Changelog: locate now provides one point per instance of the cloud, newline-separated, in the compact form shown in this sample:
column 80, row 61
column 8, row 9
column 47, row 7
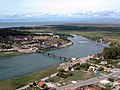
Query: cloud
column 57, row 6
column 77, row 16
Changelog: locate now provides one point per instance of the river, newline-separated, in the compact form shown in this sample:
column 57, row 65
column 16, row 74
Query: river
column 15, row 66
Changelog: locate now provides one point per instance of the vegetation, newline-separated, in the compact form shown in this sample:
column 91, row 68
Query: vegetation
column 12, row 32
column 64, row 74
column 9, row 53
column 95, row 61
column 77, row 75
column 111, row 79
column 100, row 69
column 83, row 66
column 112, row 52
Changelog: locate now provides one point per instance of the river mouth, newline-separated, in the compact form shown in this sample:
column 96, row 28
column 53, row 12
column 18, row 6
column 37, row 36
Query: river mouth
column 15, row 66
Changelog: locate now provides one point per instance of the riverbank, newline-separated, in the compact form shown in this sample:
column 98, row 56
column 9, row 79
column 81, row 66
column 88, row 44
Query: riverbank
column 24, row 51
column 68, row 64
column 15, row 83
column 9, row 53
column 19, row 82
column 109, row 36
column 62, row 46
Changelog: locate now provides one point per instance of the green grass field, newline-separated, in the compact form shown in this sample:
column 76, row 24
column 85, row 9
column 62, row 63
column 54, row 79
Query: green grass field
column 9, row 53
column 77, row 75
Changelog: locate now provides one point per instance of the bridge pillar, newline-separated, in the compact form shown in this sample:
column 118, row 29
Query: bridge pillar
column 60, row 57
column 65, row 58
column 48, row 54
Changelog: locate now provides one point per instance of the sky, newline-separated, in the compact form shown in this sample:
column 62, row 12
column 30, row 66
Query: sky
column 44, row 8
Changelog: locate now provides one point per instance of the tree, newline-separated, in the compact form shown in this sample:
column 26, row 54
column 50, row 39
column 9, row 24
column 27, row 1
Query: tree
column 111, row 79
column 100, row 69
column 112, row 52
column 70, row 74
column 85, row 66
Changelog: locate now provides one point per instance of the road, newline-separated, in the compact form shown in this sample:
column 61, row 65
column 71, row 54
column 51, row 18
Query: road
column 90, row 81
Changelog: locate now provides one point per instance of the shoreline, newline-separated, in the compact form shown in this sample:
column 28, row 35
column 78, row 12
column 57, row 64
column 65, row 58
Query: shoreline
column 38, row 75
column 5, row 54
column 30, row 76
column 25, row 79
column 62, row 46
column 18, row 53
column 79, row 60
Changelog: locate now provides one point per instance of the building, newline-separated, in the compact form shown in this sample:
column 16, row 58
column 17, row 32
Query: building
column 40, row 37
column 91, row 89
column 41, row 84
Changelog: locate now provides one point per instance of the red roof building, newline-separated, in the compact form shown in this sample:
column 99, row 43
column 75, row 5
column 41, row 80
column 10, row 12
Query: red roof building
column 41, row 84
column 91, row 89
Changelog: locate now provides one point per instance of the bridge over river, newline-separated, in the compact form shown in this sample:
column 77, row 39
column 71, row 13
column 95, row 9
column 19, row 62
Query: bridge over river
column 14, row 66
column 54, row 55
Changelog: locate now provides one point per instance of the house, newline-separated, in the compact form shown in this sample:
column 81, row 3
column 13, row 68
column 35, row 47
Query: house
column 40, row 37
column 106, row 69
column 56, row 36
column 110, row 65
column 104, row 82
column 50, row 85
column 73, row 59
column 41, row 84
column 92, row 68
column 91, row 89
column 103, row 62
column 116, row 85
column 72, row 69
column 119, row 63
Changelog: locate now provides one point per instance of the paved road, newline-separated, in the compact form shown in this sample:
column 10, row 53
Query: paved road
column 90, row 81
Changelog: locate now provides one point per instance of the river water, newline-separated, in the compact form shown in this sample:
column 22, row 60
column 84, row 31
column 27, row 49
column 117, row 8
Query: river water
column 15, row 66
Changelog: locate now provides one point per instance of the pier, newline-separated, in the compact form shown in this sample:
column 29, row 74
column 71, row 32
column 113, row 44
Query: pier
column 54, row 56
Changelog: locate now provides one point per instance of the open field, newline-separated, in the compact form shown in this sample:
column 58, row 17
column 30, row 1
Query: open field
column 12, row 84
column 77, row 76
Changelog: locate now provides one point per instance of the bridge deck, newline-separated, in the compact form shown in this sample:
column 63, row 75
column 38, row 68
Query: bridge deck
column 54, row 56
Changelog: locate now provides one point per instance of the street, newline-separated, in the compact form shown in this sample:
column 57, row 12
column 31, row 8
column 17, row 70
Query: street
column 90, row 81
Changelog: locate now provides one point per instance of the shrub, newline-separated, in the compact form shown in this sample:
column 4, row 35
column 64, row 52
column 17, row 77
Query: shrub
column 100, row 69
column 111, row 79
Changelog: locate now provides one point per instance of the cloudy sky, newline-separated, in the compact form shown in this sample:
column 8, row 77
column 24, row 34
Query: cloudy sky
column 41, row 8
